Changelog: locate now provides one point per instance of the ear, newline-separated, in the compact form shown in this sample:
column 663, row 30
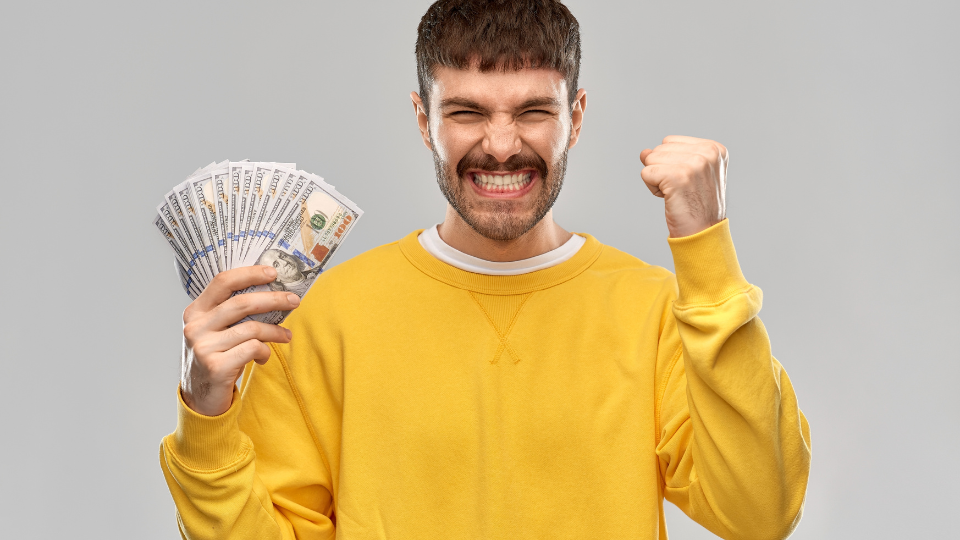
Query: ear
column 423, row 123
column 576, row 116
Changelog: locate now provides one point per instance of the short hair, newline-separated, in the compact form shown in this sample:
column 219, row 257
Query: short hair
column 498, row 35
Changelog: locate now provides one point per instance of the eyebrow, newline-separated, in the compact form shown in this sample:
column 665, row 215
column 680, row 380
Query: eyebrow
column 540, row 102
column 470, row 104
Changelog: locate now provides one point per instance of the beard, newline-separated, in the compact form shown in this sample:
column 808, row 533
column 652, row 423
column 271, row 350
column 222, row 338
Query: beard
column 500, row 219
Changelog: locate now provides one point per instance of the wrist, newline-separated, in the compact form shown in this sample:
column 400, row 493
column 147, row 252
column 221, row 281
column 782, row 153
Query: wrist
column 681, row 230
column 205, row 400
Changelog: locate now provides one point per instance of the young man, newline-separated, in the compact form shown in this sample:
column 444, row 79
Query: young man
column 496, row 376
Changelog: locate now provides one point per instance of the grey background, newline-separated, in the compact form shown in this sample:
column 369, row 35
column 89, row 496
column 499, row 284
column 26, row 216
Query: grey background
column 841, row 121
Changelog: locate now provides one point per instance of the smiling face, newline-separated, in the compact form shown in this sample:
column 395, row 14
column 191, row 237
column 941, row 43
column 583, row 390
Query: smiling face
column 500, row 141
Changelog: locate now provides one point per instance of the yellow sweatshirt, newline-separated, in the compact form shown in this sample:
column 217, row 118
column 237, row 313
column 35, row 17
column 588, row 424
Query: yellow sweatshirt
column 419, row 401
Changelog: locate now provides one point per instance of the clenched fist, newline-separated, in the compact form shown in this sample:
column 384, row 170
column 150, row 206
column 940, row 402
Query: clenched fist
column 690, row 174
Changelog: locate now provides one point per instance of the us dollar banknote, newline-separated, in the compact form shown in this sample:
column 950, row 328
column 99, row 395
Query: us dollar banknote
column 232, row 214
column 309, row 234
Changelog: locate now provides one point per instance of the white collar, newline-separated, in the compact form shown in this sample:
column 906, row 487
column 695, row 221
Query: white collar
column 431, row 241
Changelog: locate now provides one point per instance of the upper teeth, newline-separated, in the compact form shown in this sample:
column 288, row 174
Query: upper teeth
column 508, row 182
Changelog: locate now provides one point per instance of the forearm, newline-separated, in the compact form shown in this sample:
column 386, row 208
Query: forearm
column 743, row 469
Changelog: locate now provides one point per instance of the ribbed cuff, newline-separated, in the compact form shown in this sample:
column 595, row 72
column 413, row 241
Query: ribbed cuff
column 706, row 266
column 207, row 442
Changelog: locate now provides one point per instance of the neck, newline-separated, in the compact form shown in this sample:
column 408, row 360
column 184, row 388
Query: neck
column 543, row 237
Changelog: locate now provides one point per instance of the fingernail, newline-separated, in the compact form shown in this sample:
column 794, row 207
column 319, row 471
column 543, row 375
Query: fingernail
column 270, row 271
column 294, row 299
column 289, row 333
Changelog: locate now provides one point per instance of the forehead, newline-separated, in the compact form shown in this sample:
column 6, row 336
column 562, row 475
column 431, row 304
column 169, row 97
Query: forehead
column 497, row 89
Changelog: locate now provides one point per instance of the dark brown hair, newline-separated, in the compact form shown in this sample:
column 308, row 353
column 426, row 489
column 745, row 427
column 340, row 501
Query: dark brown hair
column 498, row 35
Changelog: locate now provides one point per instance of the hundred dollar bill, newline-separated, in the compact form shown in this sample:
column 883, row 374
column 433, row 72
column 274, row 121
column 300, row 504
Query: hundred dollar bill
column 185, row 265
column 251, row 188
column 220, row 190
column 169, row 210
column 233, row 196
column 246, row 180
column 282, row 209
column 287, row 182
column 203, row 171
column 232, row 214
column 185, row 281
column 256, row 189
column 194, row 223
column 180, row 203
column 207, row 201
column 268, row 179
column 315, row 226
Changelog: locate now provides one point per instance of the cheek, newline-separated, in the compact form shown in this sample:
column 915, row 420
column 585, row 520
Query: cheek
column 549, row 140
column 453, row 141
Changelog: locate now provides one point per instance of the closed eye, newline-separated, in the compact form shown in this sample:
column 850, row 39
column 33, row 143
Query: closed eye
column 537, row 112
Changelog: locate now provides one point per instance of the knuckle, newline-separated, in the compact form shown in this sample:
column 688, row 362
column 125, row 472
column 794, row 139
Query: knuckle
column 244, row 302
column 189, row 312
column 218, row 280
column 217, row 369
column 255, row 349
column 191, row 331
column 220, row 277
column 202, row 351
column 241, row 331
column 712, row 153
column 244, row 352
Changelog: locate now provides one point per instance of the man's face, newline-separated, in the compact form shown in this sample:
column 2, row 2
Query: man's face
column 500, row 141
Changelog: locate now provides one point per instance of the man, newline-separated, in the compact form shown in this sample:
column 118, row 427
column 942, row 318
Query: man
column 496, row 376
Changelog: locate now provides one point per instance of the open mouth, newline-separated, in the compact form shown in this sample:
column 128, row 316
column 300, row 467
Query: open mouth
column 502, row 182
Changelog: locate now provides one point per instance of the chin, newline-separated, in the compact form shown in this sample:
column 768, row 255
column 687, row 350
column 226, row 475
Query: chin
column 500, row 226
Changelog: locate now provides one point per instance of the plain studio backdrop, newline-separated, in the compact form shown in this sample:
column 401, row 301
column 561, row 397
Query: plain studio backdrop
column 841, row 119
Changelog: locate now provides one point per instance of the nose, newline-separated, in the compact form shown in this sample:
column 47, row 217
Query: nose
column 502, row 140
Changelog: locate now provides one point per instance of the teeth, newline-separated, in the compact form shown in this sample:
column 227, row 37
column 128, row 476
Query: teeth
column 501, row 182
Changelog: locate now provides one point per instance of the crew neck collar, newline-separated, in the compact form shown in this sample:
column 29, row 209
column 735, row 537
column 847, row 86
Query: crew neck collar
column 500, row 285
column 431, row 241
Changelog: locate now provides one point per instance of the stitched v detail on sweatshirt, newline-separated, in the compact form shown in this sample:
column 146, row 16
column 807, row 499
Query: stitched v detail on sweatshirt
column 502, row 312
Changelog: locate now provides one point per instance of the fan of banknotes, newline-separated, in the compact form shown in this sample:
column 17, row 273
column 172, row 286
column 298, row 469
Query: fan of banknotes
column 241, row 213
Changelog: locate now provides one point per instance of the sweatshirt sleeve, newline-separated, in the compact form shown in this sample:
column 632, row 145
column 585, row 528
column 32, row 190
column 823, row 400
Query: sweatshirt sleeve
column 253, row 472
column 734, row 448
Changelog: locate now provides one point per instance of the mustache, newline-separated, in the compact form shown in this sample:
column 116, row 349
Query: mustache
column 515, row 162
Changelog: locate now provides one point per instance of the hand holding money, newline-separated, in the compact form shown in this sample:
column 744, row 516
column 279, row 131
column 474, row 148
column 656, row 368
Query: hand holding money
column 215, row 348
column 221, row 220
